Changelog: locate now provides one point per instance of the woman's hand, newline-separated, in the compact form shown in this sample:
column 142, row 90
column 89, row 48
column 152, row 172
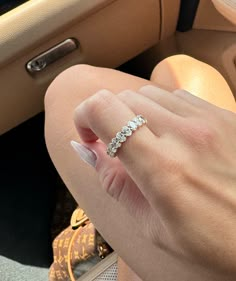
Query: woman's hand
column 176, row 175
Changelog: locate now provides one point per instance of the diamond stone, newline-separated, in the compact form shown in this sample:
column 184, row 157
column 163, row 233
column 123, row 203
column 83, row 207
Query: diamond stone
column 114, row 149
column 132, row 125
column 109, row 147
column 115, row 143
column 126, row 131
column 141, row 119
column 118, row 144
column 137, row 121
column 121, row 137
column 111, row 154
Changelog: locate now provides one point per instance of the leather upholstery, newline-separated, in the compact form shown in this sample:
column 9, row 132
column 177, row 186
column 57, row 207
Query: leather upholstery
column 227, row 8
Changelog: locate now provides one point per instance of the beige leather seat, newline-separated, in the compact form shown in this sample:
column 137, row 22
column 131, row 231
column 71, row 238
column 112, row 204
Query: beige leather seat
column 227, row 8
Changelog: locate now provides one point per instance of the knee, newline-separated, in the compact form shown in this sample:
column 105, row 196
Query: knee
column 61, row 86
column 197, row 77
column 182, row 70
column 177, row 69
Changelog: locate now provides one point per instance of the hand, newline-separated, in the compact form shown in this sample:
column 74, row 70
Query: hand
column 176, row 175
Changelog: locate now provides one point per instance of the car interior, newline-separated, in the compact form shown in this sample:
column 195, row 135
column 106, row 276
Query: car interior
column 41, row 38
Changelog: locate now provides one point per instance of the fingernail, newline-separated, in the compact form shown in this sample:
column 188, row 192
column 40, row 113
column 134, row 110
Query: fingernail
column 86, row 154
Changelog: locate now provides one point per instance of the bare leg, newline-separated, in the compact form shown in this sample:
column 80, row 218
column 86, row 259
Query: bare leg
column 120, row 230
column 197, row 77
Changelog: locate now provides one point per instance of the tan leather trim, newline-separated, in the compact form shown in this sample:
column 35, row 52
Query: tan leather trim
column 227, row 8
column 29, row 24
column 169, row 17
column 209, row 18
column 108, row 37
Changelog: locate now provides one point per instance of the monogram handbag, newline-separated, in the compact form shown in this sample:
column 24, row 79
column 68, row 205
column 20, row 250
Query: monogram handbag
column 80, row 253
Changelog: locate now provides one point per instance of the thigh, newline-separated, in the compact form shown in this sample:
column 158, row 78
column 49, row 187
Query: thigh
column 67, row 91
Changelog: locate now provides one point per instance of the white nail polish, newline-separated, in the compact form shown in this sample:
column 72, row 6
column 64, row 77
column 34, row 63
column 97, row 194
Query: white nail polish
column 86, row 154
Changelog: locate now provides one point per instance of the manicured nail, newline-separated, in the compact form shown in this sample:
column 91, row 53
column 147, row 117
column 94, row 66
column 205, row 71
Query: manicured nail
column 86, row 154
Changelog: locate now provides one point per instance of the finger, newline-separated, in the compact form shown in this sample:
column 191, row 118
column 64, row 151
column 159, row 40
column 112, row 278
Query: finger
column 104, row 115
column 167, row 100
column 160, row 120
column 191, row 99
column 113, row 177
column 203, row 107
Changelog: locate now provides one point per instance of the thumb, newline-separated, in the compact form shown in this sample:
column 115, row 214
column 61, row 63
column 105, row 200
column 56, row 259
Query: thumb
column 112, row 176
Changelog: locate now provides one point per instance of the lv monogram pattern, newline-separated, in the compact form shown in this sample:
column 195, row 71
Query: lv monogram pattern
column 71, row 248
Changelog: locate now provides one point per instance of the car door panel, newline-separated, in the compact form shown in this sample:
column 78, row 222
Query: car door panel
column 109, row 33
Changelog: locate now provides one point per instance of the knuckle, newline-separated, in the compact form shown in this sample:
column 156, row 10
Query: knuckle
column 112, row 182
column 123, row 94
column 97, row 104
column 108, row 180
column 200, row 135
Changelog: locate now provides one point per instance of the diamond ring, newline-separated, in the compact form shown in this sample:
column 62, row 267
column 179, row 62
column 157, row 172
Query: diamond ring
column 125, row 132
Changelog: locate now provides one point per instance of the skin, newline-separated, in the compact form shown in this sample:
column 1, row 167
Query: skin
column 163, row 240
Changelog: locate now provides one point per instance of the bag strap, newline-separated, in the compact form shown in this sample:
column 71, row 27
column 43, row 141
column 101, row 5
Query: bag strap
column 78, row 220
